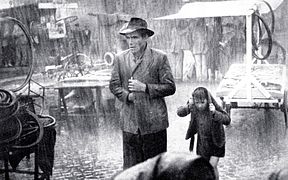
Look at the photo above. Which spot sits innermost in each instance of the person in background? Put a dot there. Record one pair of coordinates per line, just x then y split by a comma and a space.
199, 41
86, 39
140, 79
179, 45
77, 36
8, 52
21, 46
207, 119
170, 166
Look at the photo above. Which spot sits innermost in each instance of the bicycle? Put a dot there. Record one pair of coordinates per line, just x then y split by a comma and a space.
72, 65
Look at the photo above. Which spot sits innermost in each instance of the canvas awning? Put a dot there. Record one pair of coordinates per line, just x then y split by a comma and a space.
57, 5
222, 9
7, 4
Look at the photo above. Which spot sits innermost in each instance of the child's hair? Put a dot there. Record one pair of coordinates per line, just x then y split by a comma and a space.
200, 93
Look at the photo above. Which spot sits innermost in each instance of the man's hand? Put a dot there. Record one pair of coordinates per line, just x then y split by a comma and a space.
131, 97
136, 86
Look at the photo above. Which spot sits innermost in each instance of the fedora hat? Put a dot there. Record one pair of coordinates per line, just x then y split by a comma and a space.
136, 24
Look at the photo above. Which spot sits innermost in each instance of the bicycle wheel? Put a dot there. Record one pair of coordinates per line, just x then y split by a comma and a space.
32, 131
18, 58
10, 130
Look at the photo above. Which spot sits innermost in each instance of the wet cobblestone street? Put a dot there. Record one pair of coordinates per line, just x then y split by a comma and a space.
255, 143
59, 120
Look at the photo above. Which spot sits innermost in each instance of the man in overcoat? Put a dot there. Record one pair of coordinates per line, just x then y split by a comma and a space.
141, 78
86, 39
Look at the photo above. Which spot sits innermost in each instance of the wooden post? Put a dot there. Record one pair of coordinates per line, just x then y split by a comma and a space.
249, 57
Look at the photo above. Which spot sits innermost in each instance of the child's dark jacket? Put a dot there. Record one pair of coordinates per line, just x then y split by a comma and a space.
219, 118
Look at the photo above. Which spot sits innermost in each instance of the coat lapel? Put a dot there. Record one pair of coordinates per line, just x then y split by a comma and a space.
137, 65
144, 62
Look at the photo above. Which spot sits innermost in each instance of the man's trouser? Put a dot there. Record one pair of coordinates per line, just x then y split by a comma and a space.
138, 148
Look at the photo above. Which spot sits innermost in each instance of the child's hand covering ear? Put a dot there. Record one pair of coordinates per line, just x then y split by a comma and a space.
212, 108
190, 102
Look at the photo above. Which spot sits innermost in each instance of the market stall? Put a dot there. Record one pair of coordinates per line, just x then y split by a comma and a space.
255, 83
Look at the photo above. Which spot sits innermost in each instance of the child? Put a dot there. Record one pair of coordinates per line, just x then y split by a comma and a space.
207, 119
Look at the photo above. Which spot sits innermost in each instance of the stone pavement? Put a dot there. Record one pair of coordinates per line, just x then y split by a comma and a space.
255, 146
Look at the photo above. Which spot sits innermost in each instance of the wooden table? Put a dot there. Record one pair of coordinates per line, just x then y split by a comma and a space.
72, 84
